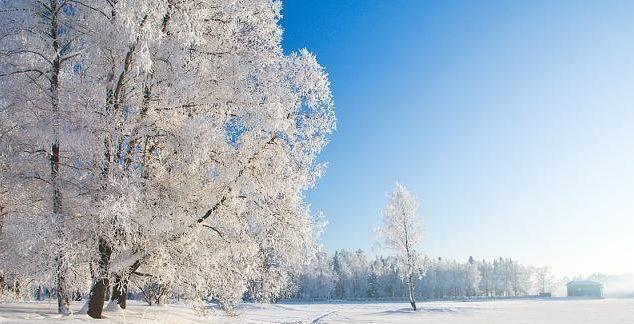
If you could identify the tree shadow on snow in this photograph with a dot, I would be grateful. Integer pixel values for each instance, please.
(408, 310)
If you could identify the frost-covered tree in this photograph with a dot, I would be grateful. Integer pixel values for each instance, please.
(392, 278)
(437, 278)
(472, 277)
(510, 278)
(221, 143)
(373, 284)
(520, 278)
(502, 281)
(401, 232)
(318, 279)
(42, 119)
(543, 279)
(181, 142)
(486, 285)
(352, 270)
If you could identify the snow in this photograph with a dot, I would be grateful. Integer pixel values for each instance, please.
(544, 311)
(584, 283)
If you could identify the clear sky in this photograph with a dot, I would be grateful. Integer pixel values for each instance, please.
(511, 121)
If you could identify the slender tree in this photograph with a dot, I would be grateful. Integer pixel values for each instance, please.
(401, 232)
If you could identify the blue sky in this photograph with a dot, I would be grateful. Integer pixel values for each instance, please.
(511, 121)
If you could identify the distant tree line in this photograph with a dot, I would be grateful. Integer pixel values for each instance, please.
(351, 275)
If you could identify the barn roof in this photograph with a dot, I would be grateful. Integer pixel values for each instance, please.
(584, 283)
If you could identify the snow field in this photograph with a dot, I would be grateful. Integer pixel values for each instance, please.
(546, 311)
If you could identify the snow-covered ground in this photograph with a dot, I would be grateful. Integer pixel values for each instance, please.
(555, 311)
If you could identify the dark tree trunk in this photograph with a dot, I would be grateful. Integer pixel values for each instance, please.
(97, 298)
(101, 281)
(62, 293)
(40, 293)
(63, 304)
(120, 291)
(120, 285)
(16, 288)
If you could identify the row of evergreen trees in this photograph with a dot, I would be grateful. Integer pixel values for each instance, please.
(350, 275)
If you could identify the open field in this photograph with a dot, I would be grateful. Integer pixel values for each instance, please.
(555, 311)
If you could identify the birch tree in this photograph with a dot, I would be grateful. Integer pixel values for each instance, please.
(401, 232)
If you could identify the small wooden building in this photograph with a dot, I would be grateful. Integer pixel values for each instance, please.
(585, 288)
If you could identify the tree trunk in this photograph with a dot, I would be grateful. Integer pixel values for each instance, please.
(101, 281)
(120, 290)
(108, 290)
(410, 285)
(63, 304)
(16, 289)
(120, 286)
(97, 297)
(40, 293)
(62, 292)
